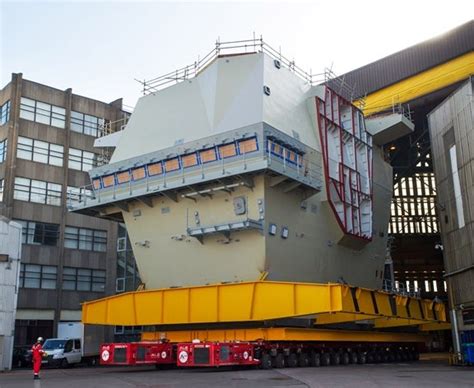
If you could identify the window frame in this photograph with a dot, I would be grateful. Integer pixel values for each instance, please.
(51, 192)
(85, 239)
(43, 276)
(3, 150)
(42, 112)
(77, 158)
(36, 151)
(5, 113)
(87, 124)
(29, 233)
(84, 279)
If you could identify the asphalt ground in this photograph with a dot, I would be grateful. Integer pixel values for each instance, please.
(417, 374)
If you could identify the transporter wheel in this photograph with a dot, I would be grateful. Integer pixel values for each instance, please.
(64, 363)
(361, 358)
(303, 360)
(292, 361)
(335, 358)
(353, 357)
(279, 361)
(325, 359)
(370, 358)
(377, 357)
(345, 358)
(266, 361)
(315, 359)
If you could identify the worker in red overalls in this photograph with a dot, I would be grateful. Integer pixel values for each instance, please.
(37, 356)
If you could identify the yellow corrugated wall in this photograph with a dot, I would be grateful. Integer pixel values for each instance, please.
(419, 85)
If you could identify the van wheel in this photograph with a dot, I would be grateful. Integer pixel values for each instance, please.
(64, 363)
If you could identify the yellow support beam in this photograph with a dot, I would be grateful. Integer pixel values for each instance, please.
(421, 84)
(253, 302)
(435, 326)
(283, 334)
(331, 318)
(383, 323)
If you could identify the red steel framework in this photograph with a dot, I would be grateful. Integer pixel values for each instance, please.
(347, 157)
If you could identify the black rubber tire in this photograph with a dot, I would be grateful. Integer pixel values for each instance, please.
(279, 361)
(303, 360)
(265, 361)
(403, 356)
(64, 363)
(315, 359)
(361, 358)
(345, 358)
(335, 358)
(354, 358)
(377, 357)
(370, 358)
(292, 361)
(325, 359)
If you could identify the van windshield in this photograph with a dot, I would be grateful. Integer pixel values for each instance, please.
(52, 344)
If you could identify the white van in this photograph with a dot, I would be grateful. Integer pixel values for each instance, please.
(62, 351)
(75, 344)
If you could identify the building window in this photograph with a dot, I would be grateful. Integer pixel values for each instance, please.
(38, 276)
(86, 124)
(3, 150)
(78, 194)
(41, 112)
(32, 190)
(86, 239)
(457, 188)
(2, 182)
(4, 113)
(82, 160)
(83, 279)
(40, 151)
(413, 208)
(39, 233)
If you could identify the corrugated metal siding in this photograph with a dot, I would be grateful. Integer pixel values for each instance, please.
(413, 60)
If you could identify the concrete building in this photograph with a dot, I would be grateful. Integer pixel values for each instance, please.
(452, 134)
(10, 252)
(46, 148)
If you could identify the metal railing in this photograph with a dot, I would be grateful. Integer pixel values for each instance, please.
(304, 169)
(242, 47)
(110, 127)
(400, 288)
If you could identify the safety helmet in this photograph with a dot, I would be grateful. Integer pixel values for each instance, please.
(40, 339)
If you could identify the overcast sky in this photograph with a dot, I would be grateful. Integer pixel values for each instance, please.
(98, 48)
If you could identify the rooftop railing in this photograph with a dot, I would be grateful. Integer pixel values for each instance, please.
(248, 46)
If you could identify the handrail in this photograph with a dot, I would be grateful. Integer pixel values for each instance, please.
(240, 47)
(303, 167)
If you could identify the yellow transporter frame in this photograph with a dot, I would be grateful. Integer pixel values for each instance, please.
(263, 301)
